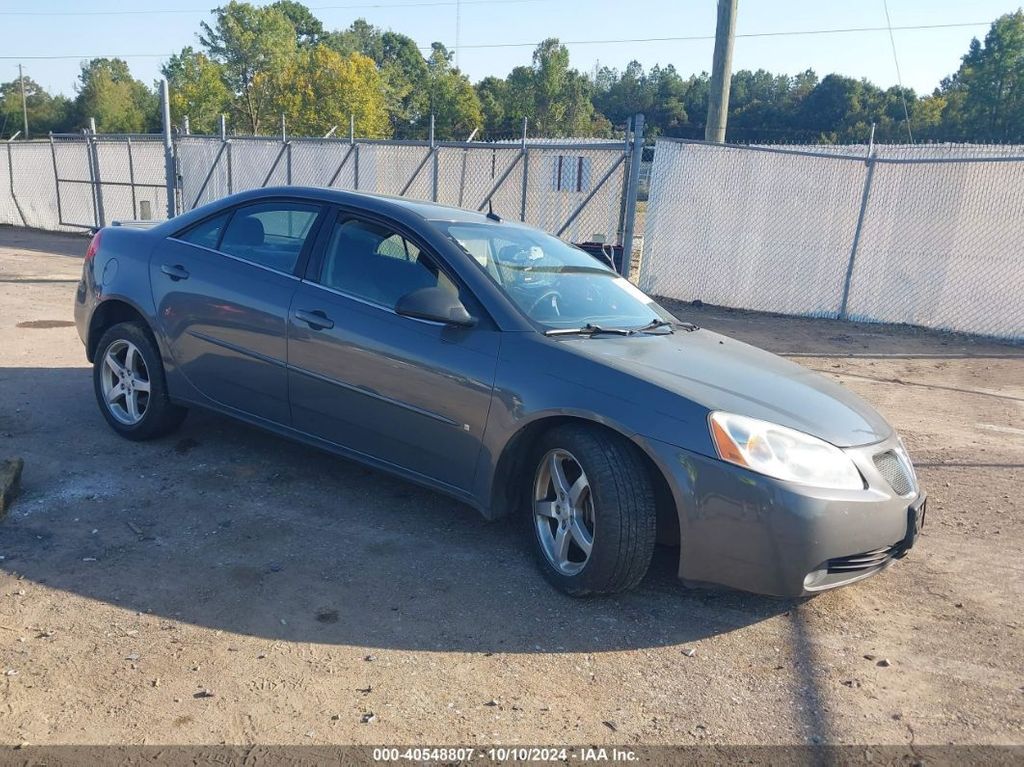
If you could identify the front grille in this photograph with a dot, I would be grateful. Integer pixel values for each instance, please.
(895, 473)
(868, 560)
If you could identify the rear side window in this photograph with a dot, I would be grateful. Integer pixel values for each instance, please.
(270, 234)
(206, 233)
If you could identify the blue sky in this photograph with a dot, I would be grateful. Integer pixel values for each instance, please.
(925, 55)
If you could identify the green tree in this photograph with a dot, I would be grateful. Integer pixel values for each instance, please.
(119, 103)
(452, 100)
(403, 71)
(45, 112)
(667, 113)
(309, 30)
(253, 46)
(360, 37)
(197, 89)
(405, 74)
(985, 97)
(493, 95)
(321, 88)
(553, 97)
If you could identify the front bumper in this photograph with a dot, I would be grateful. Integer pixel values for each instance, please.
(751, 532)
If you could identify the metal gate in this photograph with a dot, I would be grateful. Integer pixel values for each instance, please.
(101, 178)
(583, 191)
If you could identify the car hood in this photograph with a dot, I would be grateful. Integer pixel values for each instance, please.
(720, 373)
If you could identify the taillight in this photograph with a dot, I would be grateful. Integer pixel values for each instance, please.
(93, 247)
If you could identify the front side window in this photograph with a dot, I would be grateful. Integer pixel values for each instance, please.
(270, 234)
(375, 263)
(555, 284)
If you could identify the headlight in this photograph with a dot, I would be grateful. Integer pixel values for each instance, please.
(782, 453)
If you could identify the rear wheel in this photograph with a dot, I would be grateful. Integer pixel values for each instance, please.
(592, 511)
(128, 378)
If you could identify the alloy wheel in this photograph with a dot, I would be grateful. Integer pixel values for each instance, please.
(563, 512)
(125, 381)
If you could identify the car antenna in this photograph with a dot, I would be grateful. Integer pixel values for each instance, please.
(490, 212)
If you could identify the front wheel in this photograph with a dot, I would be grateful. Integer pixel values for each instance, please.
(128, 378)
(592, 511)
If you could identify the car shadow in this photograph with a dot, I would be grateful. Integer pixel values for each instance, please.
(224, 526)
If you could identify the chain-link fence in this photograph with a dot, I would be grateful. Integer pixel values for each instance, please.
(576, 189)
(80, 181)
(923, 235)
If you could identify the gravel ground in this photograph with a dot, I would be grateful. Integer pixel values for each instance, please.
(226, 586)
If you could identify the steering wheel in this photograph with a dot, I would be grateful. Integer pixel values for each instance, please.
(553, 295)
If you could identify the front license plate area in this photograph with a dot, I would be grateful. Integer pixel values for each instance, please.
(915, 524)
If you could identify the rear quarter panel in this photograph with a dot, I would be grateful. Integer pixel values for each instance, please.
(119, 271)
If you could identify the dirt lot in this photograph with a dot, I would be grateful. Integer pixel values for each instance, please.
(305, 593)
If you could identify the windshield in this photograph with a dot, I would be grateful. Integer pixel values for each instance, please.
(555, 284)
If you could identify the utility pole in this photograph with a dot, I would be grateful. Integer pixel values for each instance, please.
(721, 72)
(24, 103)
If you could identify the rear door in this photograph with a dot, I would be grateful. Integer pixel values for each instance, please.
(222, 290)
(412, 393)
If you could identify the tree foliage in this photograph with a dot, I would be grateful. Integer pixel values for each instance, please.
(197, 89)
(253, 46)
(257, 62)
(118, 102)
(45, 112)
(451, 98)
(322, 88)
(984, 99)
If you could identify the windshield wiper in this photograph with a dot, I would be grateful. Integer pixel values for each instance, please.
(589, 329)
(654, 325)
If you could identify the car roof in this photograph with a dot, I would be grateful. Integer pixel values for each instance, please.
(428, 211)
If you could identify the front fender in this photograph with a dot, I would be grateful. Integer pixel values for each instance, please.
(538, 382)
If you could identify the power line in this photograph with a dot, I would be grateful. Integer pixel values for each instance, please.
(610, 41)
(899, 77)
(691, 38)
(354, 6)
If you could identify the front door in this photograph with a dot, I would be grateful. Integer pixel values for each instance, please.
(222, 291)
(411, 393)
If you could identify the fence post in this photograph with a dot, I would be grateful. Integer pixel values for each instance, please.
(56, 180)
(10, 174)
(227, 150)
(433, 151)
(636, 156)
(94, 175)
(870, 162)
(131, 180)
(169, 174)
(526, 170)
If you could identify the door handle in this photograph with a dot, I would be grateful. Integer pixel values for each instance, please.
(315, 319)
(176, 272)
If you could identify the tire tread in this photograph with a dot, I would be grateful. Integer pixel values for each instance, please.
(615, 468)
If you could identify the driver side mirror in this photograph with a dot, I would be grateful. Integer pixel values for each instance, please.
(436, 305)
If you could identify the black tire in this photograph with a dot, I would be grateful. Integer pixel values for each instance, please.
(157, 414)
(622, 507)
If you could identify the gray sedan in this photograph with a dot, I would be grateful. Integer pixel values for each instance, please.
(512, 371)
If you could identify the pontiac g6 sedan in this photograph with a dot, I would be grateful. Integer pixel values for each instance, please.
(516, 373)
